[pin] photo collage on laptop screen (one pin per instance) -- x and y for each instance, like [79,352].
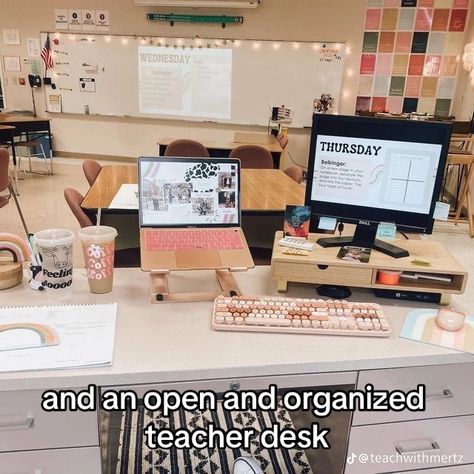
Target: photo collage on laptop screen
[188,193]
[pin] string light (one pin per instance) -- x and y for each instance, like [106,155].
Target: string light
[179,41]
[237,43]
[316,47]
[124,40]
[108,38]
[143,40]
[296,46]
[350,72]
[72,37]
[276,46]
[348,50]
[256,45]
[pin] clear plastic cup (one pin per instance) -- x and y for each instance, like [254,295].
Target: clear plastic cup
[55,249]
[98,246]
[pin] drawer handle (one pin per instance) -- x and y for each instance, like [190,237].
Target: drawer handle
[430,445]
[18,425]
[446,393]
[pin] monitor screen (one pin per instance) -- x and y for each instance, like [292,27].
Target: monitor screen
[188,192]
[377,170]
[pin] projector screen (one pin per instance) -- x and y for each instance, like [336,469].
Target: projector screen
[185,82]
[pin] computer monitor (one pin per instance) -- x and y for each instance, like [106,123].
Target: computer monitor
[367,170]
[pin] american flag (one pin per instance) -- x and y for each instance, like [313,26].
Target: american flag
[46,55]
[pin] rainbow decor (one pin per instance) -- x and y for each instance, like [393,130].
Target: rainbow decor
[420,325]
[26,336]
[17,246]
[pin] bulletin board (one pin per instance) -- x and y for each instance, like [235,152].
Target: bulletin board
[410,55]
[103,75]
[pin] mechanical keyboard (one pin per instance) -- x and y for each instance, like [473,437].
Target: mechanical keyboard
[192,239]
[299,316]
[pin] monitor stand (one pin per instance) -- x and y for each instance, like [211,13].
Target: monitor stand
[364,236]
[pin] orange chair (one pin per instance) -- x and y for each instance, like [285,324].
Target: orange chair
[253,156]
[5,183]
[74,199]
[91,169]
[295,172]
[186,148]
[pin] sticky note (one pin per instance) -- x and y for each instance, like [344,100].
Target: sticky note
[386,230]
[441,211]
[327,223]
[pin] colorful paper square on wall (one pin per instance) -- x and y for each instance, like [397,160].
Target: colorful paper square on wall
[411,53]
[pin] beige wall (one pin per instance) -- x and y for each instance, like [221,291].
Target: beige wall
[303,20]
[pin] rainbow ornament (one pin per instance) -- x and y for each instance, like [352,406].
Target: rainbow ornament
[420,325]
[17,246]
[26,336]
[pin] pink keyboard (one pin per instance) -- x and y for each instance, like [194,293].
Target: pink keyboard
[193,239]
[299,316]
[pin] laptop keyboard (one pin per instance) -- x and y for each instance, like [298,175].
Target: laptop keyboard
[192,239]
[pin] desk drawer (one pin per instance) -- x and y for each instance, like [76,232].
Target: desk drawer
[411,445]
[324,274]
[24,425]
[449,391]
[52,461]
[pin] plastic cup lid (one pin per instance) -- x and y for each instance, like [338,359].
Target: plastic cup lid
[51,237]
[100,233]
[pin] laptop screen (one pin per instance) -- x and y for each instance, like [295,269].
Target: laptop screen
[183,192]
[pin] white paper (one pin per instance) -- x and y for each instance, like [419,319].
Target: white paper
[86,336]
[75,19]
[61,19]
[102,20]
[33,47]
[12,63]
[126,197]
[88,20]
[327,223]
[11,36]
[441,212]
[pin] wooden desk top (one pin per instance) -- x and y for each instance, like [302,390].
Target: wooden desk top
[272,147]
[7,127]
[21,118]
[261,190]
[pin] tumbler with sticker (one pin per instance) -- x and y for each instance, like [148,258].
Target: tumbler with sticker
[98,245]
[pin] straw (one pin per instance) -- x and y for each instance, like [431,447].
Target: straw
[99,214]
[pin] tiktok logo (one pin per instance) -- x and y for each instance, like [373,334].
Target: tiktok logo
[351,459]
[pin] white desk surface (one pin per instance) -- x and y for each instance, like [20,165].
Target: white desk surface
[174,342]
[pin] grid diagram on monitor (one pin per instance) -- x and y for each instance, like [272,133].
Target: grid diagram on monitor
[410,55]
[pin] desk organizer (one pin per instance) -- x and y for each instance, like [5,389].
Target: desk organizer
[322,266]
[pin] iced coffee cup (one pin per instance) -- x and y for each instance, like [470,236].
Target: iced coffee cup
[55,249]
[98,245]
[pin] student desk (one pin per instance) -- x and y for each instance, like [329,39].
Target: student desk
[173,346]
[262,190]
[264,194]
[221,148]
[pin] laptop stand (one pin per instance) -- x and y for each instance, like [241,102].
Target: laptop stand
[160,290]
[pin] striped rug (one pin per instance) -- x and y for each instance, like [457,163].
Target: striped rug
[136,458]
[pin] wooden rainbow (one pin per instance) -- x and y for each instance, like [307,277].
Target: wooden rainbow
[17,246]
[46,334]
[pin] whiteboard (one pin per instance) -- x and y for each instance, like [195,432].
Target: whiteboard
[99,75]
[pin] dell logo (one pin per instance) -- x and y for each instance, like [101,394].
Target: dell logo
[364,223]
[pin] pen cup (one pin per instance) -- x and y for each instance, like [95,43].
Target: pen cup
[55,249]
[98,245]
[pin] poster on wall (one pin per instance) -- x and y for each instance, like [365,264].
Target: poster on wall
[75,19]
[87,84]
[102,20]
[88,20]
[11,36]
[33,47]
[61,19]
[12,63]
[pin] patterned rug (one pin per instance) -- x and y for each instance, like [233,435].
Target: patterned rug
[136,458]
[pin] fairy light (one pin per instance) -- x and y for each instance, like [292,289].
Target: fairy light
[256,45]
[143,40]
[296,45]
[348,50]
[237,43]
[108,39]
[316,47]
[179,41]
[124,40]
[72,37]
[350,72]
[276,46]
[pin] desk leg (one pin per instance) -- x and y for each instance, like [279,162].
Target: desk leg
[50,151]
[282,285]
[15,163]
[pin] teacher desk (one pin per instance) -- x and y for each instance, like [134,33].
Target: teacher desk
[222,148]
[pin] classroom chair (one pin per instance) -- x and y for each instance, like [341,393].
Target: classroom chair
[5,183]
[186,148]
[91,170]
[295,172]
[74,199]
[253,156]
[29,146]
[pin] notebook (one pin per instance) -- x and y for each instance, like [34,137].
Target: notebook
[56,337]
[190,214]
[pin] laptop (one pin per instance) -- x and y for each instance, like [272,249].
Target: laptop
[190,215]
